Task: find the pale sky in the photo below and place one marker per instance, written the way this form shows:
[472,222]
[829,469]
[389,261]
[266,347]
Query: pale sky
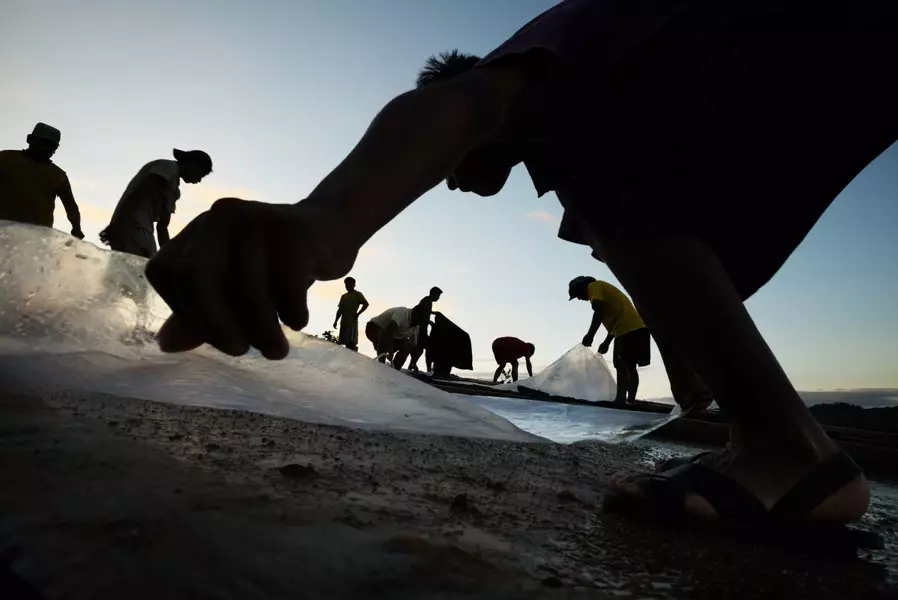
[279,91]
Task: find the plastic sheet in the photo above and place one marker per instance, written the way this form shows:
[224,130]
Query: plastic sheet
[72,317]
[580,373]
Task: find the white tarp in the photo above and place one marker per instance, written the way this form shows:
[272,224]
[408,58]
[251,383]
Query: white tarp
[67,317]
[580,373]
[68,314]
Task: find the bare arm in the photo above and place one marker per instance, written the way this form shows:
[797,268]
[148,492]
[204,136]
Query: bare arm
[337,316]
[363,308]
[529,366]
[67,197]
[415,142]
[595,324]
[162,228]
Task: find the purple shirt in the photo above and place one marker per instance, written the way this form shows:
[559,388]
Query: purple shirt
[570,52]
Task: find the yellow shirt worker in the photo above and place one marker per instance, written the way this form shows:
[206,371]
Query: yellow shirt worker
[632,343]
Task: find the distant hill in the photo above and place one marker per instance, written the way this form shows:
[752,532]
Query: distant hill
[865,398]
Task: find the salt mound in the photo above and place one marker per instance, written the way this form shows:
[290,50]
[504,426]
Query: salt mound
[68,311]
[580,373]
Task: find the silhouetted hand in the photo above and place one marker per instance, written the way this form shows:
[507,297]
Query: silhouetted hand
[603,348]
[238,268]
[78,234]
[335,324]
[588,340]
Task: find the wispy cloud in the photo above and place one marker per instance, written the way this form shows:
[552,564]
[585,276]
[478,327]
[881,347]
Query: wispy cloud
[374,252]
[543,216]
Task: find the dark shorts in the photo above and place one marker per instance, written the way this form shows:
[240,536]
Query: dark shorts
[375,336]
[372,332]
[742,142]
[633,348]
[734,123]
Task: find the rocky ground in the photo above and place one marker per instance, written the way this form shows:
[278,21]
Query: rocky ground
[103,497]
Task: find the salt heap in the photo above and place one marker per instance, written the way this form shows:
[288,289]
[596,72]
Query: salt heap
[580,373]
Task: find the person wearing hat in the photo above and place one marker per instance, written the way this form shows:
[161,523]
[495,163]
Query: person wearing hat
[150,200]
[30,182]
[426,308]
[632,343]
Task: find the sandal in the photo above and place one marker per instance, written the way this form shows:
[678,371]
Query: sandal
[741,514]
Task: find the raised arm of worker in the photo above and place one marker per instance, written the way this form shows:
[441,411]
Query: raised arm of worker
[162,228]
[604,346]
[363,306]
[239,267]
[597,310]
[71,208]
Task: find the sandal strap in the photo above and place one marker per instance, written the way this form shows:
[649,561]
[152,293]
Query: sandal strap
[728,499]
[818,485]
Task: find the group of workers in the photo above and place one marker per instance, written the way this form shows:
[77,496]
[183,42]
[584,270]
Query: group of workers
[400,333]
[30,183]
[670,132]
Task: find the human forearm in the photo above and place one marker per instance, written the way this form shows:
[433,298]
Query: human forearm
[594,325]
[67,197]
[414,143]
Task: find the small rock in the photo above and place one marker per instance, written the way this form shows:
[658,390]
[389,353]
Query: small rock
[295,471]
[552,582]
[459,504]
[567,496]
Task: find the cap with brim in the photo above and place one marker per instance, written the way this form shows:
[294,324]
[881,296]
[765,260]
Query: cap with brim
[46,132]
[576,283]
[197,157]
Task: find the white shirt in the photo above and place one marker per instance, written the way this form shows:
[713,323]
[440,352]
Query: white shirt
[142,213]
[400,315]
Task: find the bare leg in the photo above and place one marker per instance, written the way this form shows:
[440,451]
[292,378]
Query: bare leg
[498,372]
[688,389]
[623,381]
[400,357]
[780,440]
[633,386]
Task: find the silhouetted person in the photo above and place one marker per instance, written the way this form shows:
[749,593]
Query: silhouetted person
[426,307]
[394,334]
[510,350]
[632,343]
[693,146]
[150,200]
[30,182]
[351,306]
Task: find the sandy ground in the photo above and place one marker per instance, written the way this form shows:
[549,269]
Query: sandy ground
[103,497]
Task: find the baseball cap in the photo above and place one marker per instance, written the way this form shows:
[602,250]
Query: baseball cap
[194,156]
[576,283]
